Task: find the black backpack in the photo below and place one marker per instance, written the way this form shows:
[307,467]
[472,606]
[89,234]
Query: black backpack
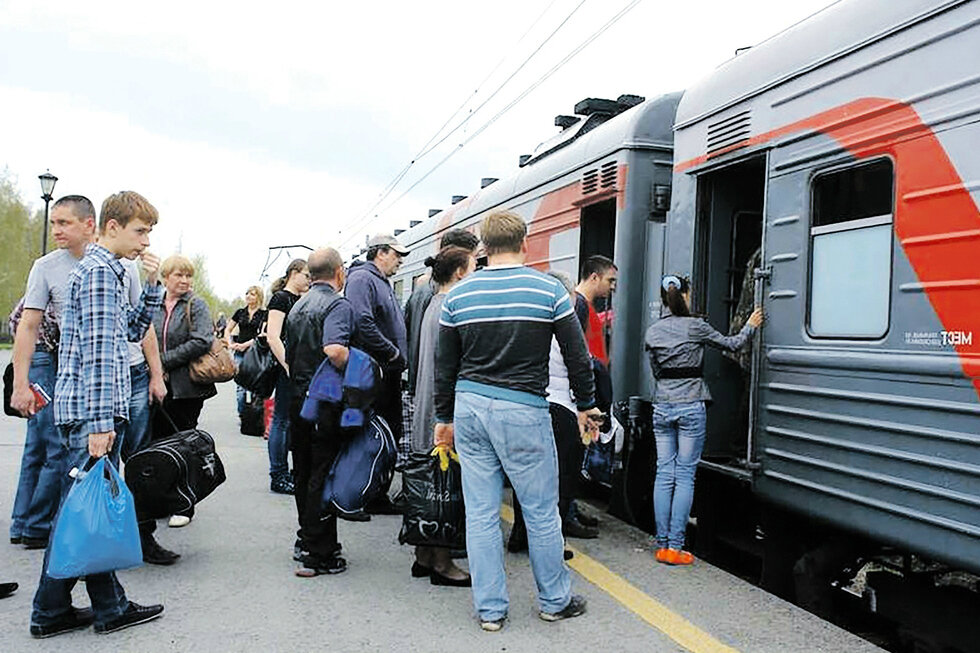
[172,474]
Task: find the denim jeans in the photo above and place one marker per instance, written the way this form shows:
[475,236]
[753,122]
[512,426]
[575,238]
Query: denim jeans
[679,432]
[134,435]
[279,429]
[53,598]
[43,460]
[494,437]
[239,390]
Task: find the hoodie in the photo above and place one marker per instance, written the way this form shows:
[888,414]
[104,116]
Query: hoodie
[380,321]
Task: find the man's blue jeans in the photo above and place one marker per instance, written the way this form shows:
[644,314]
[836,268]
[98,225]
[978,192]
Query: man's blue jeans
[278,430]
[42,467]
[679,431]
[133,434]
[53,598]
[494,437]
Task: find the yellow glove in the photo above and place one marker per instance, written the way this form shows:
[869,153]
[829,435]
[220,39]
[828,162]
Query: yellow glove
[444,453]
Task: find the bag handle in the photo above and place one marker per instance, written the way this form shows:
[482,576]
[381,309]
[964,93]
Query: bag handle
[169,418]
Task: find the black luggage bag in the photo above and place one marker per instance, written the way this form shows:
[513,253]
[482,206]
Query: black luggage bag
[172,474]
[253,415]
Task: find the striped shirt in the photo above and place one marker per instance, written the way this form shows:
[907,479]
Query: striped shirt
[495,337]
[93,383]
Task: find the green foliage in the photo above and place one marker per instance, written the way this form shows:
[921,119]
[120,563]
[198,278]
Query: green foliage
[20,244]
[203,289]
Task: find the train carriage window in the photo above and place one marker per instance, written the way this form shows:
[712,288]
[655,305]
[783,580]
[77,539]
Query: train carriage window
[851,252]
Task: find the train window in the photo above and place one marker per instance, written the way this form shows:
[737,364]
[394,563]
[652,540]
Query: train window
[851,252]
[399,289]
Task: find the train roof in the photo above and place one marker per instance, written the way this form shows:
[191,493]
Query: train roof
[841,28]
[648,125]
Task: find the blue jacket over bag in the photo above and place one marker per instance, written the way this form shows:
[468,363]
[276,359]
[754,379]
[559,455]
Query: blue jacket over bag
[356,389]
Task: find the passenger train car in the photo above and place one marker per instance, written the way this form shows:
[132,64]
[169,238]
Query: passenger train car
[844,155]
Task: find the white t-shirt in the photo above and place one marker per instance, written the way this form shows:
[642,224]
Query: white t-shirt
[48,280]
[133,289]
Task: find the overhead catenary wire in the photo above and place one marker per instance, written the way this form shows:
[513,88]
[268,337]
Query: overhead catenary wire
[513,103]
[430,145]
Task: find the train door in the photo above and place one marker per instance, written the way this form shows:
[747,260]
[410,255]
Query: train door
[728,241]
[597,235]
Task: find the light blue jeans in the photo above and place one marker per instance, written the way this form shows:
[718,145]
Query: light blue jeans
[494,437]
[43,461]
[679,431]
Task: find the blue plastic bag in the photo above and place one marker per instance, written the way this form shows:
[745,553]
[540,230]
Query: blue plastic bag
[96,530]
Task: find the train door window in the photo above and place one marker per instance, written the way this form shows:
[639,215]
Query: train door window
[850,252]
[597,233]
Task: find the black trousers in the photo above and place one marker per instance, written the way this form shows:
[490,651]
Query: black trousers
[389,405]
[183,414]
[315,447]
[568,442]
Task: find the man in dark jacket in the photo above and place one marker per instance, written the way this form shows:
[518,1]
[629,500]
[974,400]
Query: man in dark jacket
[381,332]
[319,326]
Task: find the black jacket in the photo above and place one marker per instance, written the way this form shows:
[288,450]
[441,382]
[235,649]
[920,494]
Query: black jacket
[182,343]
[304,335]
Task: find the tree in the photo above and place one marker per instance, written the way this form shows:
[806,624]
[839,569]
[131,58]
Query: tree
[203,289]
[19,245]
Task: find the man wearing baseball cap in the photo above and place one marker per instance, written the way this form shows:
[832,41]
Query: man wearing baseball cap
[381,331]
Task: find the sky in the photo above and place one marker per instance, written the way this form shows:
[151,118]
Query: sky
[250,126]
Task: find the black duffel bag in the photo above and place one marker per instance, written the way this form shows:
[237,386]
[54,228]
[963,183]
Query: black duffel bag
[259,369]
[173,474]
[431,502]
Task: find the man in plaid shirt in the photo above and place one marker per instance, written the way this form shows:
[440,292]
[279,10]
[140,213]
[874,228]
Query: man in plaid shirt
[92,393]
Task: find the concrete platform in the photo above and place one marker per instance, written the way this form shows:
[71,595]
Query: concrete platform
[234,588]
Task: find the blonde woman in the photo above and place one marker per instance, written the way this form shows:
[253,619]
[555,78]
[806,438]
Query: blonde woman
[242,329]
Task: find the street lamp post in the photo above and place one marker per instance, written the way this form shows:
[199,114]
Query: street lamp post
[48,181]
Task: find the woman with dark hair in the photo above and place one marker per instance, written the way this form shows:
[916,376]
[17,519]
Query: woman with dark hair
[286,291]
[675,345]
[448,266]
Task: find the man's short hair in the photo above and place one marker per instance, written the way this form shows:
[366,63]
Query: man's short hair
[125,206]
[80,206]
[503,232]
[459,238]
[596,264]
[176,263]
[324,263]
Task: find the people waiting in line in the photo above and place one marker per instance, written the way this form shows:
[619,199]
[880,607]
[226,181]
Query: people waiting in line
[239,332]
[568,445]
[35,360]
[93,394]
[321,325]
[491,380]
[184,331]
[675,345]
[449,266]
[286,291]
[381,333]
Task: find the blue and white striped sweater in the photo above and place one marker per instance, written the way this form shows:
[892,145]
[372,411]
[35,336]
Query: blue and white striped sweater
[495,337]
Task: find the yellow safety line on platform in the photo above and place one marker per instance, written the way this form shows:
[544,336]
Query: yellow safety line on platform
[644,606]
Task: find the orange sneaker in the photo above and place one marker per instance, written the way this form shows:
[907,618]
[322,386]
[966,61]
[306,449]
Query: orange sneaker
[674,557]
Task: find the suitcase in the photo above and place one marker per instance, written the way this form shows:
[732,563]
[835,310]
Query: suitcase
[173,474]
[362,469]
[253,417]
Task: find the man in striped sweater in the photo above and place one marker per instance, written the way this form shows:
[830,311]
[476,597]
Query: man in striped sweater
[491,375]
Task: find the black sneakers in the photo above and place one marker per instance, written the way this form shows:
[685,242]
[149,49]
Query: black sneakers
[572,527]
[155,554]
[77,619]
[575,608]
[282,484]
[6,589]
[317,566]
[134,615]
